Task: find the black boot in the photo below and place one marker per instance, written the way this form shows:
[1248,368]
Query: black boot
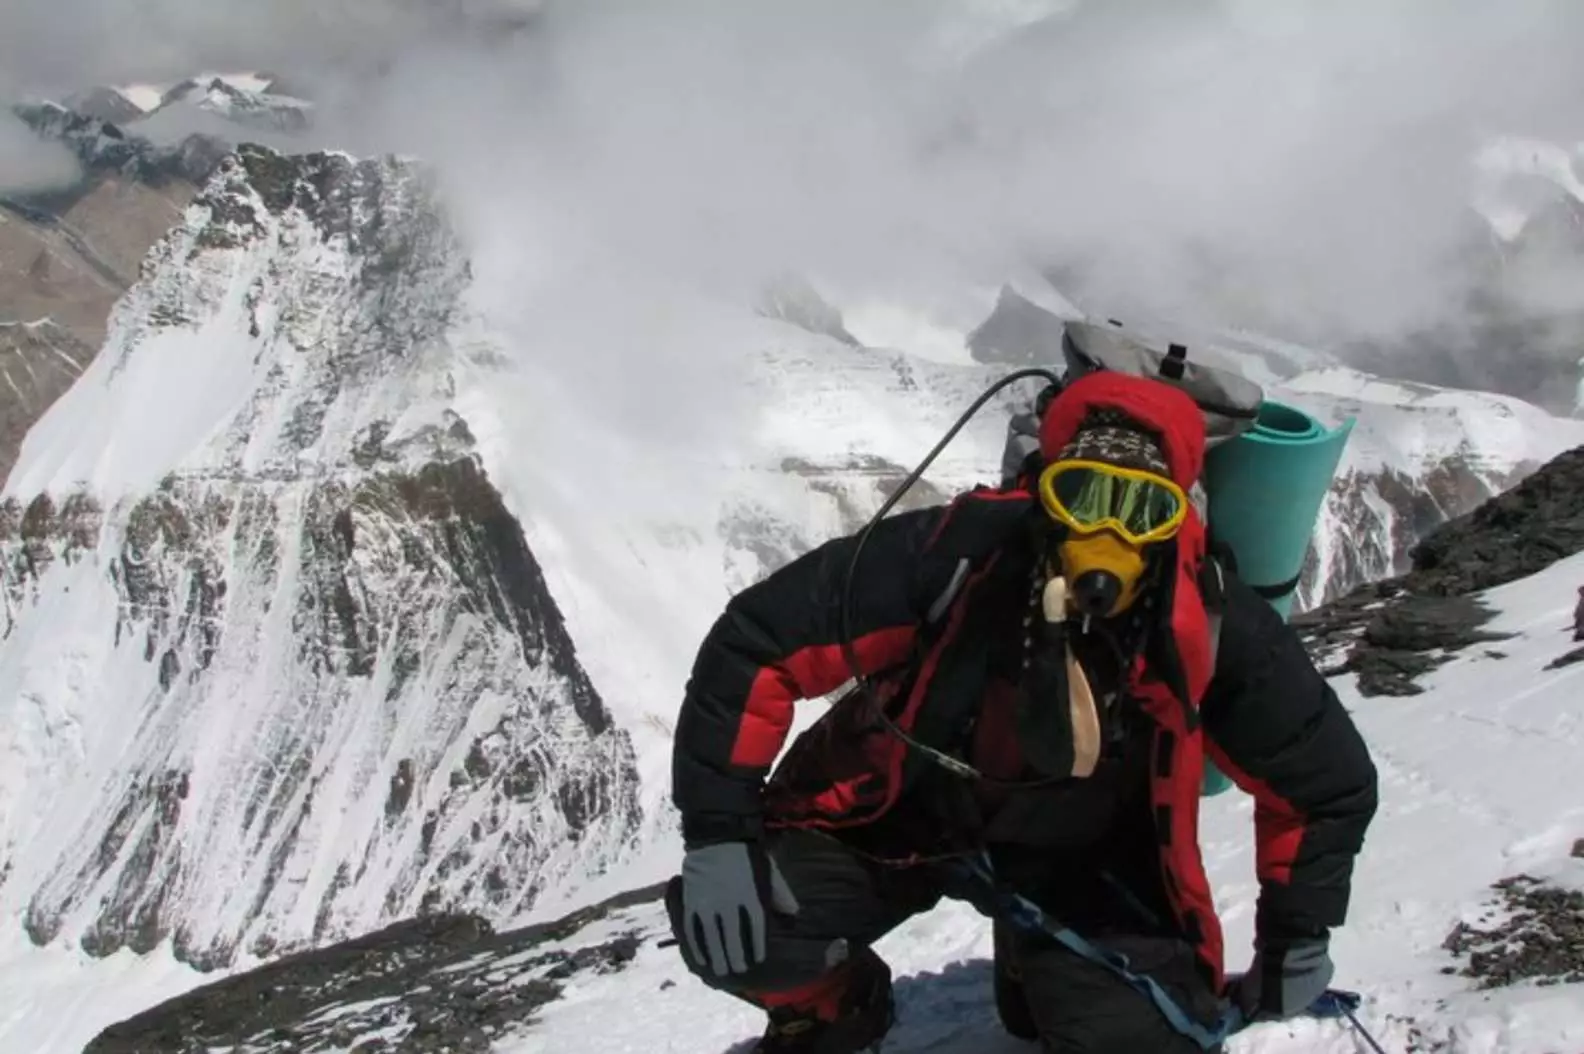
[1011,1002]
[864,1017]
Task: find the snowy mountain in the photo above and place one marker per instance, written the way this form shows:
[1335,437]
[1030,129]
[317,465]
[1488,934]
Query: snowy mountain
[1463,927]
[260,101]
[102,146]
[67,255]
[280,666]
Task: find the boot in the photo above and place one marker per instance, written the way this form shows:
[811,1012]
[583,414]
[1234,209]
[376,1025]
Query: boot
[863,1016]
[1011,1002]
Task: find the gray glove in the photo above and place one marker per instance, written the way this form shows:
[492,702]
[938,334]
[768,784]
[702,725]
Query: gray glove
[724,891]
[1285,978]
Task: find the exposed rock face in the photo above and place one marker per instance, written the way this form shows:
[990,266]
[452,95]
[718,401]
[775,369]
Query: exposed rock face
[1391,631]
[38,361]
[1018,332]
[792,299]
[1383,514]
[1528,528]
[320,683]
[440,985]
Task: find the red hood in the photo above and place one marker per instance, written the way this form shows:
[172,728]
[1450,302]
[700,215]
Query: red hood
[1156,405]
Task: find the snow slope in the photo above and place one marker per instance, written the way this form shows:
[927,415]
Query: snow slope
[53,999]
[1478,781]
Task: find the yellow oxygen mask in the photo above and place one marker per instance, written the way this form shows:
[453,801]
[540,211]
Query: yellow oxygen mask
[1103,571]
[1112,513]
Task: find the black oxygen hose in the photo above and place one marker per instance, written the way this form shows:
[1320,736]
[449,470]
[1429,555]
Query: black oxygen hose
[849,648]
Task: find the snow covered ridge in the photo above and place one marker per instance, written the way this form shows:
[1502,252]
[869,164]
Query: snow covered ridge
[278,665]
[102,146]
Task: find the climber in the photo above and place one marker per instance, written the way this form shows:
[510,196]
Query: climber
[1045,695]
[1578,617]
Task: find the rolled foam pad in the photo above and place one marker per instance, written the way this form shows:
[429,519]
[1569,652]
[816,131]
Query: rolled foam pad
[1266,488]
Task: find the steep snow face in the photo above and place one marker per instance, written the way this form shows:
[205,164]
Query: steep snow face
[38,361]
[1519,175]
[278,663]
[1418,456]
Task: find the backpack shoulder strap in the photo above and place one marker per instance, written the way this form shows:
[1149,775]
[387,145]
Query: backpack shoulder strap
[1212,587]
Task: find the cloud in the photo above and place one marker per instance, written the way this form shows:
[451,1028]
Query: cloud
[54,46]
[28,163]
[1301,167]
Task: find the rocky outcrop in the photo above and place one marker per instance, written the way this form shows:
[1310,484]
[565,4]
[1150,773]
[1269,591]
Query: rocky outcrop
[1533,932]
[1389,632]
[1513,535]
[1017,332]
[1379,517]
[791,298]
[443,984]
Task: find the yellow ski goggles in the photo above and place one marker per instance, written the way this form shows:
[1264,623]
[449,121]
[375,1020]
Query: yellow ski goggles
[1092,496]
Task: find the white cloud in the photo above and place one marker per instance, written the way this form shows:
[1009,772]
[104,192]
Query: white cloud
[1304,166]
[28,163]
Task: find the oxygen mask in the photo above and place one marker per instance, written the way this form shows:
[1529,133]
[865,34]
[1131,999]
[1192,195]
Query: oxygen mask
[1112,514]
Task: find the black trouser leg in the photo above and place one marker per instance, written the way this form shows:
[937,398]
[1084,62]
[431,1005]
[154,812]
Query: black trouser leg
[845,904]
[1079,1007]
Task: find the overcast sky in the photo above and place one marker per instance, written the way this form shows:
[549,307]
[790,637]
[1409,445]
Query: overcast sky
[1306,164]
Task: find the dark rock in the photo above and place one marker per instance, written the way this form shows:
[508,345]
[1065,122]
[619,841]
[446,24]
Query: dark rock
[1568,659]
[1018,332]
[1515,534]
[1541,937]
[401,788]
[445,983]
[792,299]
[1393,631]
